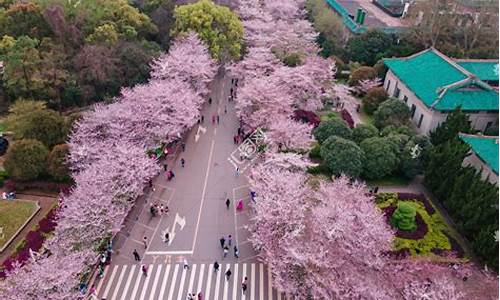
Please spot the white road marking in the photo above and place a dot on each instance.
(200, 279)
(129, 280)
(203, 193)
(145, 286)
(226, 282)
(235, 281)
(167, 252)
(109, 282)
(191, 279)
(136, 286)
(244, 295)
(120, 278)
(217, 282)
(209, 281)
(102, 280)
(164, 283)
(181, 286)
(172, 282)
(155, 282)
(252, 282)
(269, 284)
(261, 281)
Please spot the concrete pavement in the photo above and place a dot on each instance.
(197, 216)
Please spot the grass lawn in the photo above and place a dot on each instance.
(389, 181)
(365, 118)
(13, 214)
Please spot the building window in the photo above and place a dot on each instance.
(420, 121)
(413, 109)
(388, 85)
(405, 99)
(396, 92)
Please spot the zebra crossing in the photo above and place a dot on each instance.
(173, 282)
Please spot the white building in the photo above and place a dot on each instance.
(433, 85)
(483, 155)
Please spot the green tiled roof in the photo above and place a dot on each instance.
(484, 147)
(428, 72)
(484, 70)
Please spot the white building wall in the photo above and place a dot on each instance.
(431, 118)
(486, 172)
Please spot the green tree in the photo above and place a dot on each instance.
(457, 121)
(342, 156)
(216, 25)
(366, 47)
(403, 217)
(21, 75)
(332, 127)
(56, 163)
(25, 160)
(292, 60)
(36, 122)
(443, 166)
(105, 35)
(381, 157)
(364, 131)
(361, 73)
(54, 70)
(414, 156)
(24, 18)
(373, 98)
(391, 112)
(328, 24)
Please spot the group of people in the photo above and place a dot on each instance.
(9, 196)
(105, 258)
(156, 209)
(225, 247)
(239, 206)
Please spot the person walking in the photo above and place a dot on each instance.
(225, 109)
(244, 285)
(229, 240)
(237, 171)
(226, 251)
(210, 100)
(167, 237)
(236, 252)
(186, 265)
(200, 296)
(182, 162)
(165, 167)
(183, 146)
(213, 119)
(228, 202)
(216, 267)
(190, 296)
(228, 274)
(136, 255)
(144, 270)
(218, 119)
(202, 118)
(145, 242)
(222, 241)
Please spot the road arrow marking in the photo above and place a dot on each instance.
(201, 129)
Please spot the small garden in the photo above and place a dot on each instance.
(13, 214)
(419, 227)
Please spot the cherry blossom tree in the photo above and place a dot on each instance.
(289, 134)
(367, 84)
(187, 60)
(258, 62)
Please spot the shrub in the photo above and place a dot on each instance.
(330, 128)
(319, 170)
(25, 160)
(362, 73)
(381, 157)
(342, 156)
(306, 116)
(56, 163)
(404, 217)
(373, 98)
(315, 152)
(292, 60)
(364, 131)
(391, 112)
(346, 116)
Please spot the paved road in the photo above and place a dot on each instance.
(172, 281)
(197, 219)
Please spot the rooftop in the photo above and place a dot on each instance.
(484, 69)
(443, 84)
(485, 147)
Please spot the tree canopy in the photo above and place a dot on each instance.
(25, 160)
(216, 25)
(342, 156)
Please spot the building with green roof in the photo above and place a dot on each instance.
(432, 85)
(483, 155)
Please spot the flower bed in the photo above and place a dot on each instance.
(432, 236)
(33, 240)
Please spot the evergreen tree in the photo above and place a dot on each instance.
(456, 122)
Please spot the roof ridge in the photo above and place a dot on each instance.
(488, 137)
(478, 60)
(452, 62)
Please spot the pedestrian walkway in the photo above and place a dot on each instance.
(172, 281)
